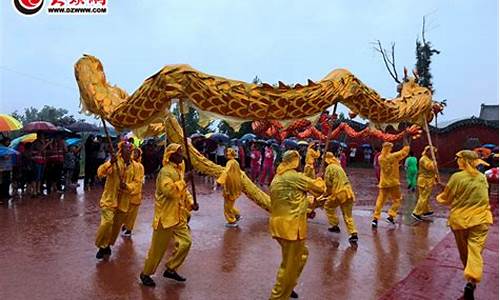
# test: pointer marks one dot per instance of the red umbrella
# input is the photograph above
(39, 126)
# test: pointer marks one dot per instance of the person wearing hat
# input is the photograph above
(311, 155)
(230, 179)
(172, 205)
(288, 220)
(470, 215)
(135, 195)
(427, 176)
(120, 180)
(389, 181)
(339, 192)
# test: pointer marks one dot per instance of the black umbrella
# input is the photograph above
(81, 126)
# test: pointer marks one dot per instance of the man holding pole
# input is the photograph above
(172, 205)
(120, 180)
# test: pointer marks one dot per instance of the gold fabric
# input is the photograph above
(230, 179)
(180, 234)
(345, 204)
(172, 203)
(289, 161)
(239, 101)
(423, 206)
(230, 211)
(383, 193)
(311, 156)
(112, 196)
(129, 222)
(294, 257)
(467, 195)
(389, 166)
(470, 243)
(289, 204)
(109, 228)
(426, 172)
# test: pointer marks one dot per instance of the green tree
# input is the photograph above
(56, 116)
(424, 53)
(191, 119)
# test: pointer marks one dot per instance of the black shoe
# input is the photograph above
(123, 228)
(469, 291)
(334, 229)
(427, 214)
(147, 280)
(238, 217)
(391, 220)
(101, 253)
(294, 295)
(353, 238)
(374, 223)
(416, 217)
(173, 275)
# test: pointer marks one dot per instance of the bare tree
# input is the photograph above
(389, 60)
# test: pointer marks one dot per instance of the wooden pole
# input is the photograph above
(429, 140)
(189, 166)
(330, 130)
(113, 154)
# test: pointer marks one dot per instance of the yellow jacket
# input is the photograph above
(468, 197)
(232, 170)
(289, 204)
(112, 196)
(426, 172)
(172, 200)
(337, 183)
(135, 194)
(389, 167)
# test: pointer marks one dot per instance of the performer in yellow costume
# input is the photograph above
(311, 156)
(288, 221)
(470, 215)
(135, 194)
(230, 179)
(339, 192)
(426, 180)
(172, 205)
(389, 181)
(120, 181)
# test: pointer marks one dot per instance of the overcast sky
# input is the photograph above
(289, 41)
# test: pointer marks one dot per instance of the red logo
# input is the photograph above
(28, 7)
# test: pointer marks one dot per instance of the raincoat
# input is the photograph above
(470, 215)
(230, 180)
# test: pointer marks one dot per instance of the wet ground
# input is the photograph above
(48, 252)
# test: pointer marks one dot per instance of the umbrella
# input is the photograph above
(7, 151)
(27, 138)
(483, 152)
(366, 146)
(248, 137)
(72, 141)
(219, 137)
(112, 132)
(81, 126)
(289, 143)
(8, 123)
(39, 126)
(344, 145)
(489, 146)
(302, 143)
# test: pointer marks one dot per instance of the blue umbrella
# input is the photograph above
(289, 143)
(73, 141)
(344, 145)
(366, 146)
(489, 146)
(5, 162)
(248, 137)
(219, 138)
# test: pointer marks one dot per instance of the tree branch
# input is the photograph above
(388, 63)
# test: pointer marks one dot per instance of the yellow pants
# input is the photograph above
(294, 257)
(111, 221)
(181, 235)
(470, 243)
(346, 207)
(230, 212)
(423, 206)
(131, 216)
(383, 193)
